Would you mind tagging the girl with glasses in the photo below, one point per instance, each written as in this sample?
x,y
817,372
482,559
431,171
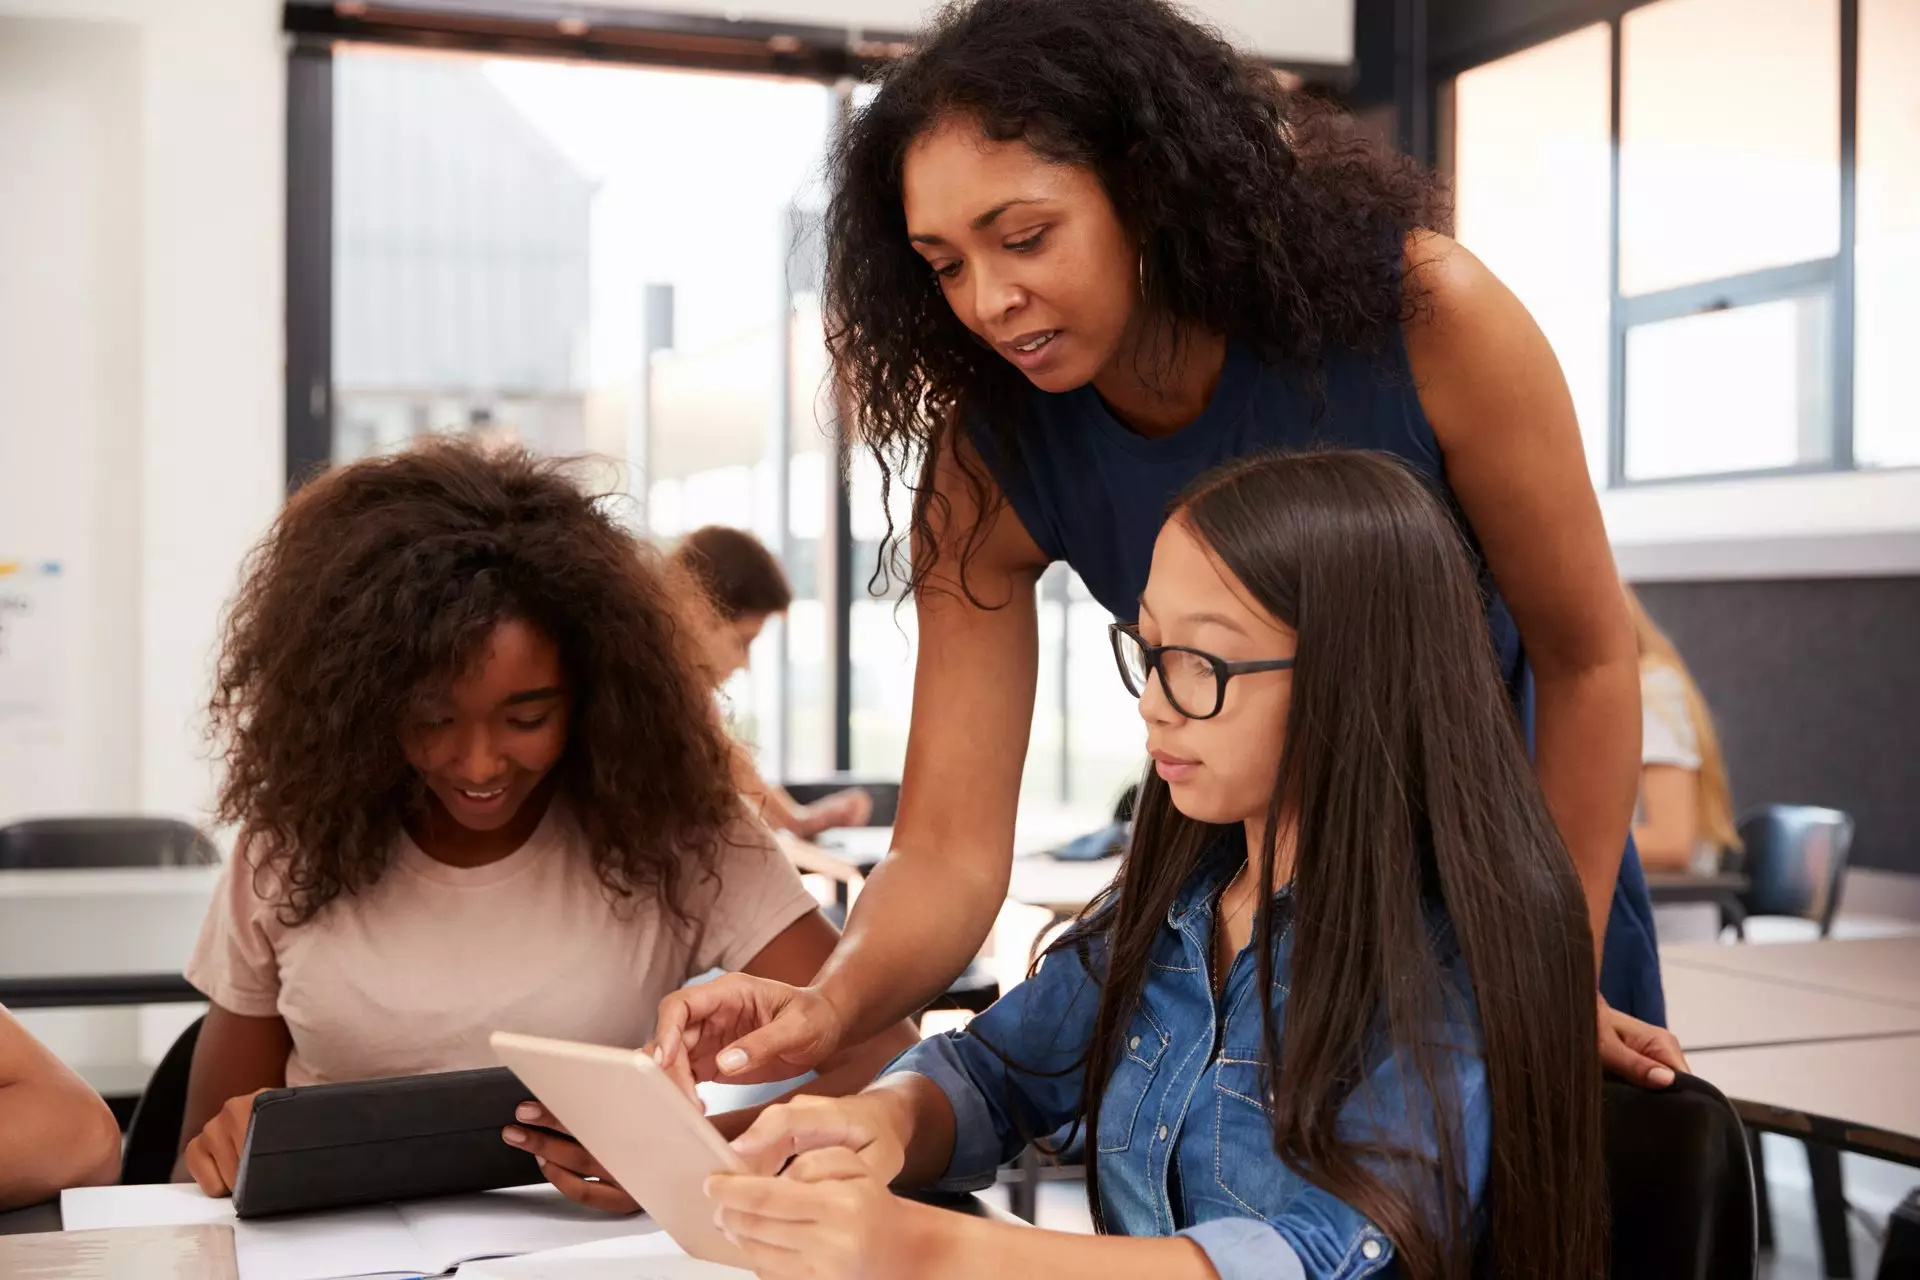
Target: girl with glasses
x,y
1333,1019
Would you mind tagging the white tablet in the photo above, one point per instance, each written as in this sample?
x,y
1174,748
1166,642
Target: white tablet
x,y
624,1109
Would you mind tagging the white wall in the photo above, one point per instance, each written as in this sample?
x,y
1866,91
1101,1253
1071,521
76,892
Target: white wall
x,y
141,431
1284,30
1852,524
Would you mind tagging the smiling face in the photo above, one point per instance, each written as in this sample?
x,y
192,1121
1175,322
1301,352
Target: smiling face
x,y
486,743
1219,770
1030,254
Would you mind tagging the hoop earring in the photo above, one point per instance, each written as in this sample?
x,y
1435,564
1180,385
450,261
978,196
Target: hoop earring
x,y
1141,271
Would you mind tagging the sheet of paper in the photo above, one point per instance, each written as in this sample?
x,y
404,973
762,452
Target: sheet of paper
x,y
653,1256
310,1246
126,1253
495,1224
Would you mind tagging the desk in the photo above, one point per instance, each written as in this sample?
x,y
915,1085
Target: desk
x,y
1710,1009
101,924
1885,969
1038,880
1858,1095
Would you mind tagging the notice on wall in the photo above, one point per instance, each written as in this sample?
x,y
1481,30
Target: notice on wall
x,y
32,637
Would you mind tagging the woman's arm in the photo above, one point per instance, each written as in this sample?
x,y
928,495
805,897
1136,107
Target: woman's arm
x,y
1500,409
953,840
55,1132
235,1057
1670,795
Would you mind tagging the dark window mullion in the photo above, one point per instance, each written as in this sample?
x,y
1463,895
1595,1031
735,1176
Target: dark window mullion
x,y
1843,317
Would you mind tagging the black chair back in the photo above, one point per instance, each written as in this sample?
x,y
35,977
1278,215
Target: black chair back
x,y
153,1136
1681,1183
43,843
1795,857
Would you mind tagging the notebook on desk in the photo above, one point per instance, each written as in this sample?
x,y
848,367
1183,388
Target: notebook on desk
x,y
423,1238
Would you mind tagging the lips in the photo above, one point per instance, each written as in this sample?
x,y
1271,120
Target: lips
x,y
1031,349
1172,768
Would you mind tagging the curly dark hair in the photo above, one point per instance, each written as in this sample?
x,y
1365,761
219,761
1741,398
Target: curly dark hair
x,y
1259,213
383,580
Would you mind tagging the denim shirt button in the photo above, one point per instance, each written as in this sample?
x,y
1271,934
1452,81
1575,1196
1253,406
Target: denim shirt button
x,y
1163,1135
1134,1043
1369,1250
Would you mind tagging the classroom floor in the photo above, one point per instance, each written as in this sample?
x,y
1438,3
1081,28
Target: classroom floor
x,y
1874,1187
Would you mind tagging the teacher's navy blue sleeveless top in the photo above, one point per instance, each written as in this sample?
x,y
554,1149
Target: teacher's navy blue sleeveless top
x,y
1094,494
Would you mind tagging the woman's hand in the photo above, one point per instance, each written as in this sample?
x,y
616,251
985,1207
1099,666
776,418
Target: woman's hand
x,y
872,1125
567,1164
744,1030
1638,1051
829,1218
213,1157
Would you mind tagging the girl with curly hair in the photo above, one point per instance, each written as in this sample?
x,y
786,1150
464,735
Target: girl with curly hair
x,y
1079,252
472,756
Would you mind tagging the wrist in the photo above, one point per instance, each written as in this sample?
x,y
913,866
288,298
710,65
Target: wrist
x,y
953,1248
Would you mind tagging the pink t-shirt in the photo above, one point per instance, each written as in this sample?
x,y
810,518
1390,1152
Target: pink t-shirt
x,y
412,975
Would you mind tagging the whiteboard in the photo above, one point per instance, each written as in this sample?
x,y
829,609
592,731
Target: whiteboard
x,y
1300,31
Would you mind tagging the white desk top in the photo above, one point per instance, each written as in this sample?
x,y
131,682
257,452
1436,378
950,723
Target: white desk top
x,y
1864,1083
1711,1009
1869,968
87,922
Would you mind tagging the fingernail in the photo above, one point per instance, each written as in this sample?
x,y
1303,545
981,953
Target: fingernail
x,y
732,1060
518,1137
541,1161
659,1056
527,1111
1661,1076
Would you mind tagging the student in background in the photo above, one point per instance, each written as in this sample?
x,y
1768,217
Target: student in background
x,y
55,1132
1684,818
470,750
1339,814
745,586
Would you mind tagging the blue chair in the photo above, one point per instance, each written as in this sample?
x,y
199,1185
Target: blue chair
x,y
1795,858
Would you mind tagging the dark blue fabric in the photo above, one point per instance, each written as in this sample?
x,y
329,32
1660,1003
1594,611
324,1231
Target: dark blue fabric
x,y
1093,493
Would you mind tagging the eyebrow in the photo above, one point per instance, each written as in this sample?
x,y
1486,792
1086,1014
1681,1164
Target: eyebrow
x,y
980,223
1200,619
532,695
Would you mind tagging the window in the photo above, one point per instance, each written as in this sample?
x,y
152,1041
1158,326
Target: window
x,y
515,258
1667,192
1886,430
1531,168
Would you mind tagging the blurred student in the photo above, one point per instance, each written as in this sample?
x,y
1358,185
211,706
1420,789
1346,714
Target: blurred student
x,y
55,1132
745,586
1334,1018
470,748
1684,818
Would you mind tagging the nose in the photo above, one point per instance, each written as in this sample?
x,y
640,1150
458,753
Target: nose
x,y
996,295
479,760
1154,707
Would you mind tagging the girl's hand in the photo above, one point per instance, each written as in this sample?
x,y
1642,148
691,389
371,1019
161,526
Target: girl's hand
x,y
849,808
213,1157
871,1126
743,1030
829,1218
567,1164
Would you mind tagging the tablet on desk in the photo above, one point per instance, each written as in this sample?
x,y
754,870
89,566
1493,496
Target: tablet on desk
x,y
636,1122
329,1146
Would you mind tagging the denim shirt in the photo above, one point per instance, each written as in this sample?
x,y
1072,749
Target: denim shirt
x,y
1185,1142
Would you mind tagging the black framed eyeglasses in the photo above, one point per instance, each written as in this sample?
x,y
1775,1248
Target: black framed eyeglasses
x,y
1194,681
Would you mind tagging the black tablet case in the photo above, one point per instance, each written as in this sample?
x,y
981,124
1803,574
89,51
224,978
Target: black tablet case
x,y
333,1145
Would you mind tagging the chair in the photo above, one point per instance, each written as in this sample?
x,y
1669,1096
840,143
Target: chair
x,y
45,843
1681,1183
153,1136
1794,857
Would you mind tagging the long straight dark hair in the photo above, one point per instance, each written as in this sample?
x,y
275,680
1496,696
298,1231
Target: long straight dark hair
x,y
1408,782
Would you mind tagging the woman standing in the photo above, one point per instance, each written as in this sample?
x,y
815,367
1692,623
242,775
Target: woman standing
x,y
1078,253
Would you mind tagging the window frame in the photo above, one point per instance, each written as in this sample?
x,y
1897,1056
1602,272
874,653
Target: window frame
x,y
1831,277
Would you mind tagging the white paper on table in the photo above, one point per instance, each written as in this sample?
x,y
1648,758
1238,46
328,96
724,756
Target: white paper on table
x,y
653,1256
427,1237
